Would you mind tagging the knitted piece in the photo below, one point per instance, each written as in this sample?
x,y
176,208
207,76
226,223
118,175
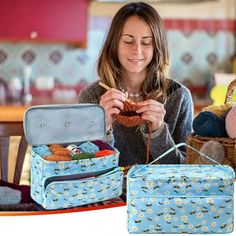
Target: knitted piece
x,y
104,153
210,125
88,147
57,158
128,116
9,196
83,156
230,123
102,145
42,150
24,189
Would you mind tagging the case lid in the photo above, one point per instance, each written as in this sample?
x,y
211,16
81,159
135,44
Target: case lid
x,y
181,180
62,124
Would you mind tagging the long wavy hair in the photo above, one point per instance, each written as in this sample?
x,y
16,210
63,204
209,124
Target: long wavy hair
x,y
155,85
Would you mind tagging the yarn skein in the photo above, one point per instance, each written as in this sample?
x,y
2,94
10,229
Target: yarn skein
x,y
216,151
104,153
210,125
88,147
83,156
42,150
230,123
219,110
213,149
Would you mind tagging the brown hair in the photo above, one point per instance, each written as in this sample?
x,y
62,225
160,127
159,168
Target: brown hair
x,y
155,85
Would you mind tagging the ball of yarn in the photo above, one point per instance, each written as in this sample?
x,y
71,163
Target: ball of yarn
x,y
62,152
102,145
230,122
83,156
54,147
73,149
88,147
42,150
209,124
104,153
214,150
59,150
219,110
57,158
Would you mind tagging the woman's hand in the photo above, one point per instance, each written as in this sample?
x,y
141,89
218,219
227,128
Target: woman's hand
x,y
112,102
153,112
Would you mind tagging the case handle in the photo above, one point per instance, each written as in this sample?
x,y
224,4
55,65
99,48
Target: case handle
x,y
175,148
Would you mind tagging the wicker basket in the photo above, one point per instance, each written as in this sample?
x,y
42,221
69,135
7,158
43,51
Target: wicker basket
x,y
197,141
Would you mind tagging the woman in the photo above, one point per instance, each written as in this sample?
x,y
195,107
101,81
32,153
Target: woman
x,y
133,61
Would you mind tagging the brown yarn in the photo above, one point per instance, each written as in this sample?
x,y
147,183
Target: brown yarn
x,y
148,144
62,152
59,150
128,116
57,158
54,147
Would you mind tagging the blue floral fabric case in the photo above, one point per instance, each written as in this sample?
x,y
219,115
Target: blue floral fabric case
x,y
65,184
180,199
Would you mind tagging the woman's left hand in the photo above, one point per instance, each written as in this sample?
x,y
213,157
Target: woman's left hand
x,y
153,112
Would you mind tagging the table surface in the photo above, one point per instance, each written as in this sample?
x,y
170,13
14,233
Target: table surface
x,y
11,111
14,111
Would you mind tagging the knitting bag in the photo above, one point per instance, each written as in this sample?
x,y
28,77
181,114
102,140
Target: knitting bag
x,y
180,198
65,184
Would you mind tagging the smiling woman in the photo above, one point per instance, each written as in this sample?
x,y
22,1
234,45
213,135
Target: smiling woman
x,y
135,50
133,62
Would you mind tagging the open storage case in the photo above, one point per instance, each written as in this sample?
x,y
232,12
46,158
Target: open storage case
x,y
65,184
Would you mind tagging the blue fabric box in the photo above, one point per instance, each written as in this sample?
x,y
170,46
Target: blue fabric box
x,y
65,184
180,199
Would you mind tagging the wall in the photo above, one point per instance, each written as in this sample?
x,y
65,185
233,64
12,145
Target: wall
x,y
200,37
218,9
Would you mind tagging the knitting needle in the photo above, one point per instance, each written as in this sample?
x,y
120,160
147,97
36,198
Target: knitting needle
x,y
107,88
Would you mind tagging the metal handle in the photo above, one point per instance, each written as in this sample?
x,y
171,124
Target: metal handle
x,y
175,148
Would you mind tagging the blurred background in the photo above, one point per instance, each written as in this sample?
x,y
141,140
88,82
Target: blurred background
x,y
49,49
58,42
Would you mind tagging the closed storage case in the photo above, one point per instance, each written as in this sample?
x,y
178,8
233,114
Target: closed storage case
x,y
180,199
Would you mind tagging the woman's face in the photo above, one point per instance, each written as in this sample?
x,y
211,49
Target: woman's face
x,y
135,49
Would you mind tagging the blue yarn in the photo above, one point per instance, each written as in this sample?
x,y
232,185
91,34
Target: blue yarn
x,y
42,150
208,124
88,147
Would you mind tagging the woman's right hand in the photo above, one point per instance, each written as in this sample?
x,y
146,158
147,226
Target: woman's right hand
x,y
112,102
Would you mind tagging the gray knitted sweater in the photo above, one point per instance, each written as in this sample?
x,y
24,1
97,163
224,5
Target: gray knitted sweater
x,y
131,142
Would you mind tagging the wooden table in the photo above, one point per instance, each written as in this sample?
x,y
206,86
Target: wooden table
x,y
11,124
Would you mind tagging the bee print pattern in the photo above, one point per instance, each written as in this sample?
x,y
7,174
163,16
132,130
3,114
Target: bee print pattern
x,y
196,201
62,195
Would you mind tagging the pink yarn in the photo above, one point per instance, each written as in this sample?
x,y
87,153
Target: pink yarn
x,y
230,122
